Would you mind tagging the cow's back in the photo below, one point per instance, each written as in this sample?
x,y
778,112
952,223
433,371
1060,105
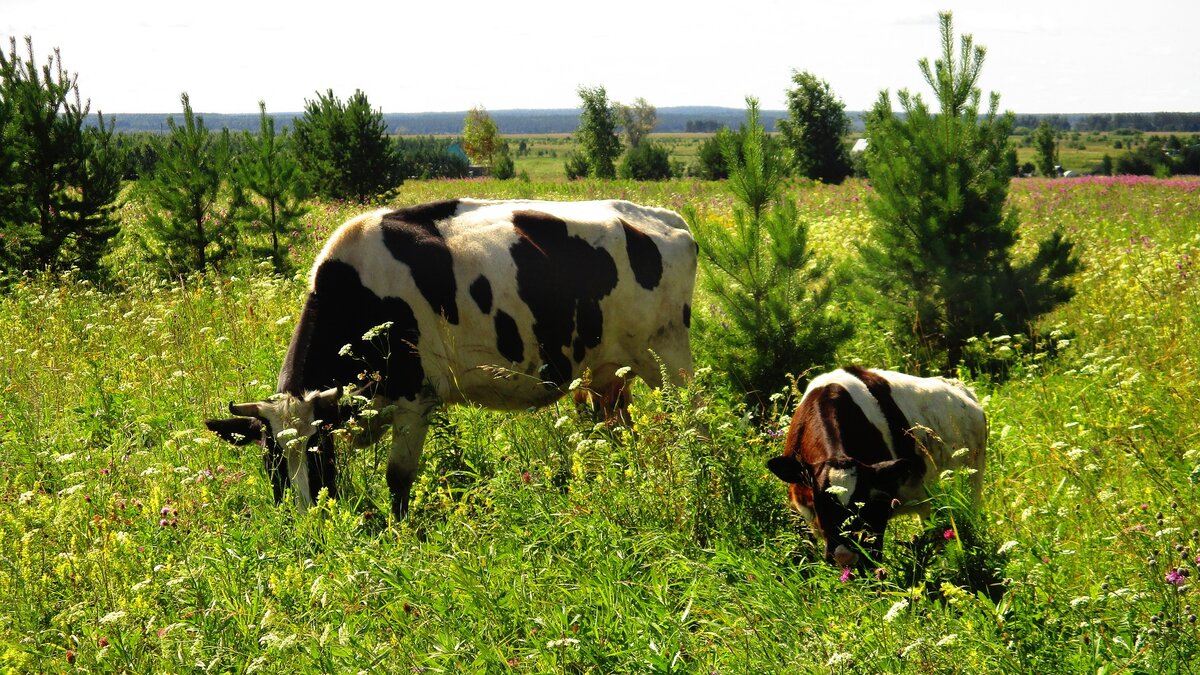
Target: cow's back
x,y
514,299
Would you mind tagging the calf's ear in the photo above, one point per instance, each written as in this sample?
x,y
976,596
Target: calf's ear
x,y
238,430
787,469
894,472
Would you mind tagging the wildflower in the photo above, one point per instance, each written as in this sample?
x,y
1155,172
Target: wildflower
x,y
948,534
103,642
71,657
562,642
846,574
895,610
1175,577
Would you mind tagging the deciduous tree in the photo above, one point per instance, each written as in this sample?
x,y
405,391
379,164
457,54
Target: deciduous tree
x,y
597,133
814,129
637,121
480,136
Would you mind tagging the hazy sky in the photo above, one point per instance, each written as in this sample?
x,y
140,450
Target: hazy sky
x,y
440,55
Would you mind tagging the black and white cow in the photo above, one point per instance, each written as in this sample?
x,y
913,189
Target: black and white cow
x,y
497,303
864,443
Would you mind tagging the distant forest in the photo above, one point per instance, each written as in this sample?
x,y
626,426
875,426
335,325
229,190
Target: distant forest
x,y
552,121
670,120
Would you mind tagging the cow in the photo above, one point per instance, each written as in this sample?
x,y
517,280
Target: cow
x,y
504,304
862,446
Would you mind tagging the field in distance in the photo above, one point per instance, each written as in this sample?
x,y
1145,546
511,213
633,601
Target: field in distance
x,y
542,156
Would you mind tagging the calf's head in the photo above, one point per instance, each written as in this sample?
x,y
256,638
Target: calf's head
x,y
851,501
280,424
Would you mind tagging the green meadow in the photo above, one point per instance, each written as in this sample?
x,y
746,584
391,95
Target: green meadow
x,y
539,542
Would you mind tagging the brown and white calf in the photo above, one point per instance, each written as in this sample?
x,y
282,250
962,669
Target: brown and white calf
x,y
864,443
497,303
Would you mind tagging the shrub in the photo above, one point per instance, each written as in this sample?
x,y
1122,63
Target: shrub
x,y
646,161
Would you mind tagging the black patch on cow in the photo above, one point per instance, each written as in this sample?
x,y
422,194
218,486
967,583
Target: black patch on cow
x,y
412,236
644,257
561,278
687,315
481,293
847,427
898,424
339,310
508,338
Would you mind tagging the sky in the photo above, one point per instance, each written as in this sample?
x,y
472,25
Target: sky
x,y
1043,56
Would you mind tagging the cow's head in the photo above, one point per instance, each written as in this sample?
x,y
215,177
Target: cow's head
x,y
852,501
281,423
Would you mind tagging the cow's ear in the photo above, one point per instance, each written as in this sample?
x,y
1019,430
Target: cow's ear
x,y
246,409
238,430
894,471
787,469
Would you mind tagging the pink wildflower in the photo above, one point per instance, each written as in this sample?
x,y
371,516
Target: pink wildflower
x,y
846,574
948,534
1175,577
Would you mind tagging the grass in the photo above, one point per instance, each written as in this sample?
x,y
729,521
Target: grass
x,y
540,543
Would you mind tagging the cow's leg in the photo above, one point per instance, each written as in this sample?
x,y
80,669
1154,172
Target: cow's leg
x,y
408,436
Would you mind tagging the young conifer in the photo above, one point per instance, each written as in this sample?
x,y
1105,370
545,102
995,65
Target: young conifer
x,y
772,293
268,171
189,229
940,261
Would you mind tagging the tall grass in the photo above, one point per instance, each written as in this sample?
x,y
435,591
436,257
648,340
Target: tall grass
x,y
541,543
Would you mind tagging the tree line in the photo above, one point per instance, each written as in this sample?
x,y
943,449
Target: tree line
x,y
939,263
206,195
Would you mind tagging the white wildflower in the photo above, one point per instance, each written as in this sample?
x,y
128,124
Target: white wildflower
x,y
112,617
840,659
562,642
947,640
895,610
836,490
623,371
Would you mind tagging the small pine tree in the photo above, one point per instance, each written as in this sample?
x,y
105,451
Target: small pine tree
x,y
58,180
188,229
1046,144
772,293
940,261
344,150
503,167
270,175
814,129
597,135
